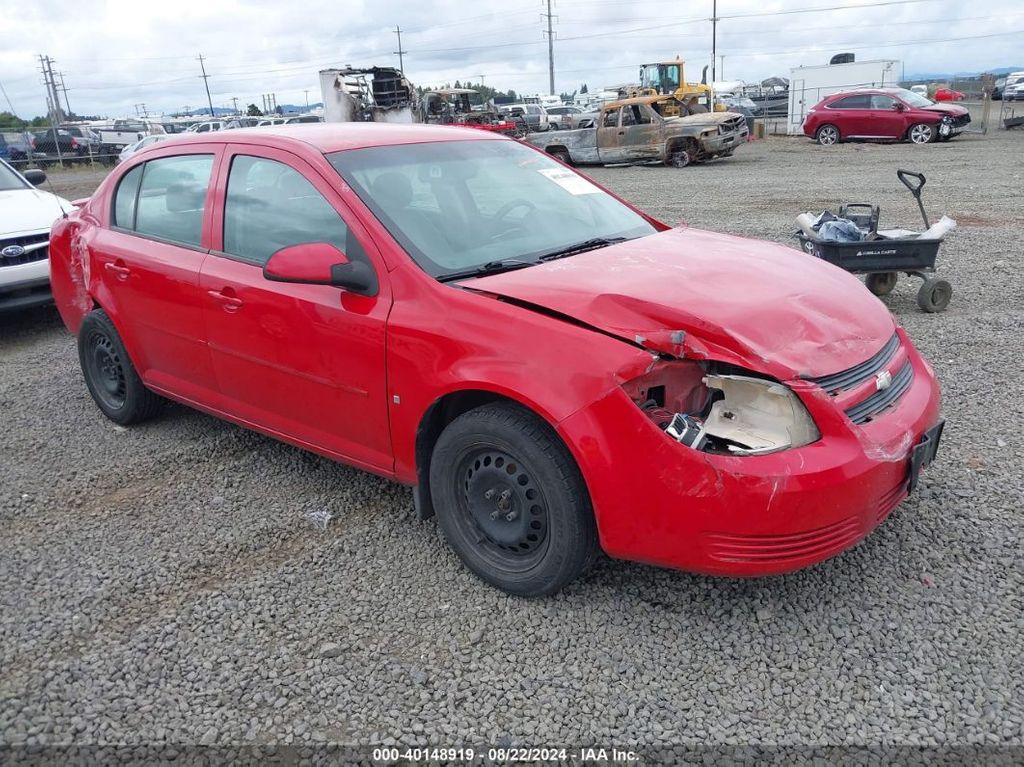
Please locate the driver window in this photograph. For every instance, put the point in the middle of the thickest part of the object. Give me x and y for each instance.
(270, 206)
(628, 116)
(611, 118)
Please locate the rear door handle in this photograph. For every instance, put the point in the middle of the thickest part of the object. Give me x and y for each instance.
(227, 298)
(119, 270)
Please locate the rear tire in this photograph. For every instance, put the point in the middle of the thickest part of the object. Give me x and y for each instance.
(881, 283)
(827, 135)
(112, 380)
(511, 501)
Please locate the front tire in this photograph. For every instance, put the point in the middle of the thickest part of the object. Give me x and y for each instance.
(511, 501)
(111, 378)
(827, 135)
(922, 133)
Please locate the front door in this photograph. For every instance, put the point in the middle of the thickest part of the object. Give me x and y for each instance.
(640, 131)
(886, 119)
(610, 137)
(305, 362)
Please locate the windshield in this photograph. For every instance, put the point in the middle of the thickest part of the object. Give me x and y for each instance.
(459, 205)
(9, 179)
(913, 99)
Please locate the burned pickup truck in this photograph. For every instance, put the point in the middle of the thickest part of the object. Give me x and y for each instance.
(631, 131)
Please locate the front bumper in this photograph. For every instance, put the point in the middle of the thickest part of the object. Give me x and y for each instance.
(661, 502)
(723, 142)
(25, 285)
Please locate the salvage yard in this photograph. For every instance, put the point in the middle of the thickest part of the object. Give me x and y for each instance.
(165, 583)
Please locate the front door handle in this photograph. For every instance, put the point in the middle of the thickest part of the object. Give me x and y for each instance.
(227, 298)
(119, 269)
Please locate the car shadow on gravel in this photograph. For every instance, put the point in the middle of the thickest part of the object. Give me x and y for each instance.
(28, 325)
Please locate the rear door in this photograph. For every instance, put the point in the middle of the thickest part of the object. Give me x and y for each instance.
(852, 115)
(610, 136)
(149, 260)
(305, 362)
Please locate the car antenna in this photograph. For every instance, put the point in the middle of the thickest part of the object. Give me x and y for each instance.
(46, 176)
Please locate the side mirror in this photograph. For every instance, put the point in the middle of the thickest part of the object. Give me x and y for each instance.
(320, 263)
(34, 176)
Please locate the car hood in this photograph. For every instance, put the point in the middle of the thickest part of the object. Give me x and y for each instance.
(23, 211)
(950, 109)
(747, 302)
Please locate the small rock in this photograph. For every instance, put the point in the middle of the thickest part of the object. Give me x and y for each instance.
(331, 650)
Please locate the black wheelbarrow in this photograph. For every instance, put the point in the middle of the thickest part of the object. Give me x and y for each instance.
(882, 255)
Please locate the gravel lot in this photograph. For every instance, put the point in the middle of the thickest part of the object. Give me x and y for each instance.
(163, 584)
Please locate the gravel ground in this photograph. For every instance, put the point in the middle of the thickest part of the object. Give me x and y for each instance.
(164, 584)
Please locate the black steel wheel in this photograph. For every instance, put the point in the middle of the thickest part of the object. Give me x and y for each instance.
(934, 295)
(511, 501)
(111, 378)
(881, 283)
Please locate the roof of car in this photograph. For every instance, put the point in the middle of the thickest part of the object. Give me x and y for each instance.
(335, 137)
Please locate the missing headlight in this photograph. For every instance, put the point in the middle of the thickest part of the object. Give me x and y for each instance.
(722, 413)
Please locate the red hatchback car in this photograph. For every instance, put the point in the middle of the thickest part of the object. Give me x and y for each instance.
(551, 369)
(883, 113)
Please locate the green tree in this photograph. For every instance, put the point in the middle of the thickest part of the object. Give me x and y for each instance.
(583, 88)
(253, 111)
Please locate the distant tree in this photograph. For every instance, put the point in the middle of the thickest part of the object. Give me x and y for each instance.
(583, 88)
(253, 111)
(8, 120)
(279, 109)
(457, 85)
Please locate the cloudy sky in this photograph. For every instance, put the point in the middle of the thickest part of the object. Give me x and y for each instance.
(115, 54)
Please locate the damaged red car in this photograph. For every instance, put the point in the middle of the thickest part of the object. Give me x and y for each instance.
(552, 370)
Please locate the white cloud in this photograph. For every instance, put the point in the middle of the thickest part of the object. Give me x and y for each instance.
(117, 53)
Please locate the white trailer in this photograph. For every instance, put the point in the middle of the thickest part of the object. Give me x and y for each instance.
(809, 85)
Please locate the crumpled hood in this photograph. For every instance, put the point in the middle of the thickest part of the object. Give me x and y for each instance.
(23, 211)
(759, 304)
(706, 118)
(950, 109)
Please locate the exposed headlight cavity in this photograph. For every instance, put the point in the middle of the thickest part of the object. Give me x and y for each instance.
(722, 413)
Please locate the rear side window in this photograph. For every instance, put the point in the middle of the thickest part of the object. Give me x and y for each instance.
(165, 198)
(861, 101)
(270, 206)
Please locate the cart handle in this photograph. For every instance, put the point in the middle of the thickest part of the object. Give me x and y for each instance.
(914, 190)
(904, 176)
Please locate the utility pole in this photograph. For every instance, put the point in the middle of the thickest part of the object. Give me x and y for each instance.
(481, 79)
(551, 50)
(206, 82)
(64, 88)
(234, 101)
(46, 64)
(400, 52)
(714, 38)
(307, 99)
(722, 73)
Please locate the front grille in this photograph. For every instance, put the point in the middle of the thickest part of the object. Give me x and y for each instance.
(732, 124)
(883, 398)
(778, 549)
(31, 249)
(847, 379)
(961, 121)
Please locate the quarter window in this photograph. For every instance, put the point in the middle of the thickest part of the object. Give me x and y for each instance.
(270, 206)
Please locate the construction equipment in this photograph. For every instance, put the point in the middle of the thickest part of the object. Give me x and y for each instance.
(668, 79)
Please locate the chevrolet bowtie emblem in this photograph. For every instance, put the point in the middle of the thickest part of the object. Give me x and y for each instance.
(883, 380)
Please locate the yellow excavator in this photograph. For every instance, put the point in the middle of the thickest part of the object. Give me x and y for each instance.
(668, 80)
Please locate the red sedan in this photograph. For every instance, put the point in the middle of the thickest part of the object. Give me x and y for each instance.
(893, 114)
(549, 368)
(948, 94)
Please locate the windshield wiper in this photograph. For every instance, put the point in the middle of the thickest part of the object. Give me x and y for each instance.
(582, 247)
(491, 267)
